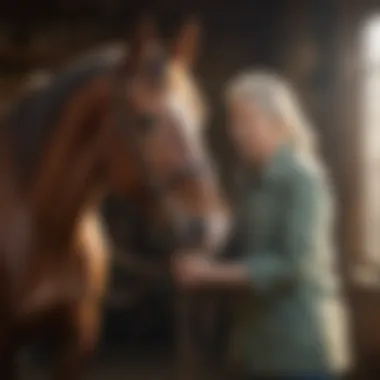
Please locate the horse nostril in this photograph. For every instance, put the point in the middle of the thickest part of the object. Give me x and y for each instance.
(189, 233)
(196, 229)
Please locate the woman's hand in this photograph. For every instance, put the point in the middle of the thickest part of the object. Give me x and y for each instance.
(192, 270)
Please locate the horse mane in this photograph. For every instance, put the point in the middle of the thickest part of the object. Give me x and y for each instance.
(33, 118)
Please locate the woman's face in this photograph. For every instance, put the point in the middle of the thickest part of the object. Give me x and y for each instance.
(253, 133)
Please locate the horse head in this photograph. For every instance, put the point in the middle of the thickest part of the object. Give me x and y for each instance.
(158, 119)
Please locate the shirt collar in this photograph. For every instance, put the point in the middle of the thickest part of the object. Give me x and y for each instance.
(276, 167)
(279, 162)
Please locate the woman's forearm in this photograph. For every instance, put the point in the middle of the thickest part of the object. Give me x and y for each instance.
(229, 276)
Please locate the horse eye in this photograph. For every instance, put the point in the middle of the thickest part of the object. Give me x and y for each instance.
(146, 122)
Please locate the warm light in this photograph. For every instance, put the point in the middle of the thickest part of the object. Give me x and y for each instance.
(371, 40)
(370, 145)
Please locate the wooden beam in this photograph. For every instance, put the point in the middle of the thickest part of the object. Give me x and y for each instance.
(348, 153)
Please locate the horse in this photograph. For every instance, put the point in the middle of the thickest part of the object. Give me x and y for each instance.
(129, 123)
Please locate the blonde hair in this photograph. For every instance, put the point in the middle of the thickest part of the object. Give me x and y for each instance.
(275, 96)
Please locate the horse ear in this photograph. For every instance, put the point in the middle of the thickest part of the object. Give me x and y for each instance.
(144, 34)
(186, 46)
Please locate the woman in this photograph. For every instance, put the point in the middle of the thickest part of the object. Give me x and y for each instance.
(294, 325)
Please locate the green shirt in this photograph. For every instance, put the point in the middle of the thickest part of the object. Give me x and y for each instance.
(294, 321)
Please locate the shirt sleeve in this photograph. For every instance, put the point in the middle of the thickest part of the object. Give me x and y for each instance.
(272, 271)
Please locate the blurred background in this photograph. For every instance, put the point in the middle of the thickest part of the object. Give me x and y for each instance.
(330, 49)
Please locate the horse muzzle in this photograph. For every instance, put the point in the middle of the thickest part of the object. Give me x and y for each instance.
(208, 233)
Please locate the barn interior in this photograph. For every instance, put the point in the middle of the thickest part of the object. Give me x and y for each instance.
(318, 44)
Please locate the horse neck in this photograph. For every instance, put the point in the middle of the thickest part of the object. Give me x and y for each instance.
(68, 179)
